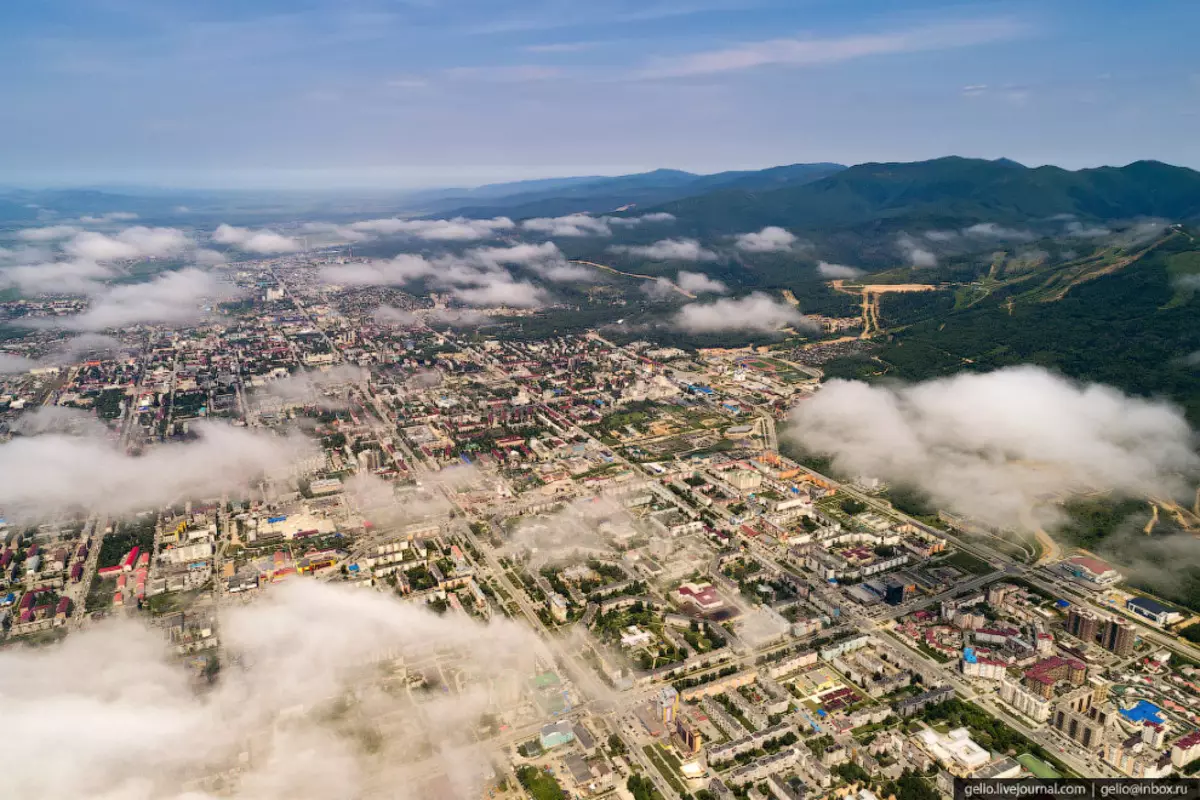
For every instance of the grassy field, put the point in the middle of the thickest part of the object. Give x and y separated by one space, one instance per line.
1039 768
968 563
660 763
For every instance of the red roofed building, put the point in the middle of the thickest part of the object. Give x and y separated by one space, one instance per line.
1186 749
700 595
1041 677
1092 569
130 558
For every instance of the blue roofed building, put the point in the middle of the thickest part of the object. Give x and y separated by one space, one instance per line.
1153 610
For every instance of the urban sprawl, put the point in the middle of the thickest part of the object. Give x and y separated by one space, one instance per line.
711 618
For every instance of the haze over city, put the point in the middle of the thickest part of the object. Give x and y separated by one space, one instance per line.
554 400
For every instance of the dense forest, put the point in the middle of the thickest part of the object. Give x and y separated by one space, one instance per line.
1130 329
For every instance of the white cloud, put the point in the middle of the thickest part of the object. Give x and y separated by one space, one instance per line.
457 317
12 364
566 273
477 268
1141 232
392 272
331 233
26 254
917 255
131 243
799 52
1078 229
268 726
519 254
322 388
771 239
459 229
828 270
570 225
573 225
502 292
206 257
990 230
697 282
545 259
171 298
390 315
754 312
668 250
660 289
111 216
656 216
263 241
1002 447
50 233
941 236
60 277
51 473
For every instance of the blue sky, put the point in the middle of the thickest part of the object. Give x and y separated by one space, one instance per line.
399 93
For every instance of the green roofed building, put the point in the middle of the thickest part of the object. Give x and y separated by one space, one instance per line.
556 734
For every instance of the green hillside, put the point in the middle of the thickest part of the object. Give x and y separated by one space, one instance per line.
1135 328
949 192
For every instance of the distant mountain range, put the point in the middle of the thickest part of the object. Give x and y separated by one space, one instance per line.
950 192
940 193
557 197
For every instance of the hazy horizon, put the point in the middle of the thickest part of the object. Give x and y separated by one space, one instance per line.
376 94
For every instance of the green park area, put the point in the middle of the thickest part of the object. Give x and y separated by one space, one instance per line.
541 785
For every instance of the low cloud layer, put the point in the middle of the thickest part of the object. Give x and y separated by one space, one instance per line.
502 292
578 225
65 259
322 388
172 298
771 239
668 250
476 279
1003 447
572 533
990 230
395 271
53 472
568 226
292 719
827 270
545 259
457 317
12 364
59 277
916 254
262 241
67 353
698 283
131 243
1079 230
459 229
754 312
